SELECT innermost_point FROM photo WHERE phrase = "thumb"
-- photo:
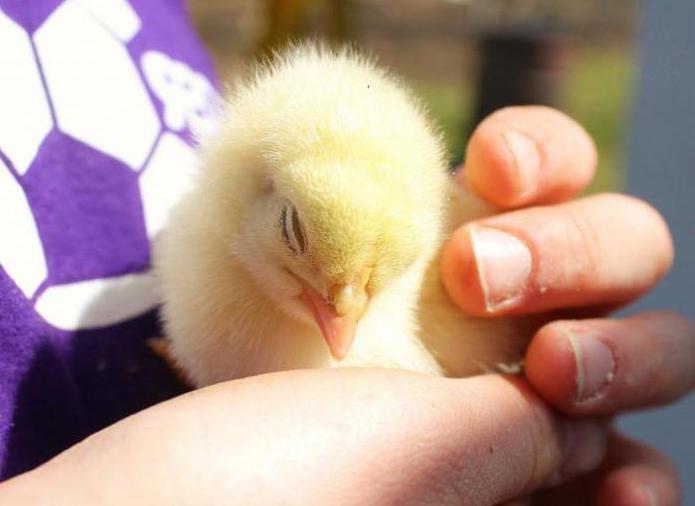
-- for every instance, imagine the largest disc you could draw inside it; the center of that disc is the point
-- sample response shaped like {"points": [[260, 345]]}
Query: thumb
{"points": [[350, 436], [375, 436]]}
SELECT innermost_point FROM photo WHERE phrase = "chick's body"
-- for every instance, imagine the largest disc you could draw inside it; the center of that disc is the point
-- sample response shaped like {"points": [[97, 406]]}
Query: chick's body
{"points": [[318, 216]]}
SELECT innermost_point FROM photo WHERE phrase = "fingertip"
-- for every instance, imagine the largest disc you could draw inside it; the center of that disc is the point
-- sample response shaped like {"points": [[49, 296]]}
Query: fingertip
{"points": [[557, 385], [616, 365], [488, 270], [662, 233]]}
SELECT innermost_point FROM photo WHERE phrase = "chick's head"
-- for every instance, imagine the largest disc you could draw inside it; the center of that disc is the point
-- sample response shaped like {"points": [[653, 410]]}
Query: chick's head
{"points": [[338, 187], [327, 235]]}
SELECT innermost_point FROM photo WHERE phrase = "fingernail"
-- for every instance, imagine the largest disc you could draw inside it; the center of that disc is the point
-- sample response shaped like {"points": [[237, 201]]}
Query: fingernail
{"points": [[595, 366], [585, 447], [504, 267], [527, 160]]}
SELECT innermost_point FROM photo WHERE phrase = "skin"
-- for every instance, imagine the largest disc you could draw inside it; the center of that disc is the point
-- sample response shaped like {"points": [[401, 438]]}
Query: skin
{"points": [[632, 472], [366, 436]]}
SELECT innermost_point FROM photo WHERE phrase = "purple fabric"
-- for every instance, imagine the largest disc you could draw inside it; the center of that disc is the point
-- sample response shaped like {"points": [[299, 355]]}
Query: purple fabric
{"points": [[29, 13], [59, 385], [87, 209]]}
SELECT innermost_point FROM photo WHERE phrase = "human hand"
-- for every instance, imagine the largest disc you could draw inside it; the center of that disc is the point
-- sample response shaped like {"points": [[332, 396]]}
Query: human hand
{"points": [[582, 259], [347, 436], [351, 436]]}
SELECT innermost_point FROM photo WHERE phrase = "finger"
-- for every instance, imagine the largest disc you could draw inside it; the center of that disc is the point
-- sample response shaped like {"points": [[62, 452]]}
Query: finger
{"points": [[604, 249], [632, 475], [530, 154], [602, 367], [637, 476]]}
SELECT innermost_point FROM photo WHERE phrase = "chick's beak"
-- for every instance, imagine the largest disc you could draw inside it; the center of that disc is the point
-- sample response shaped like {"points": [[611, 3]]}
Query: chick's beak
{"points": [[337, 314]]}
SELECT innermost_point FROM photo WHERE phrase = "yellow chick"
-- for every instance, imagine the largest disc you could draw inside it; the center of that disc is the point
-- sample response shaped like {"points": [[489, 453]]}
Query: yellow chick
{"points": [[311, 237]]}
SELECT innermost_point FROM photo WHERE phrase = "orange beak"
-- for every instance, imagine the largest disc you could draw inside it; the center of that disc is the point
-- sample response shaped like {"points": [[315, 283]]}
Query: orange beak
{"points": [[337, 315]]}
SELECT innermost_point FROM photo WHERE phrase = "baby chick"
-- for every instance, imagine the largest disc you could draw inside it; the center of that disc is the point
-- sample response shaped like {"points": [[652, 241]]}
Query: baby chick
{"points": [[312, 234]]}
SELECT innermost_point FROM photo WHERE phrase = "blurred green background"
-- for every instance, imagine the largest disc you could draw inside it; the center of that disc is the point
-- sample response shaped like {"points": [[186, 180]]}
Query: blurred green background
{"points": [[584, 61]]}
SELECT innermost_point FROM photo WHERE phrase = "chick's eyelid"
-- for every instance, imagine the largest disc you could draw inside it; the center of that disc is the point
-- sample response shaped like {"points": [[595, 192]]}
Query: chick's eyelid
{"points": [[292, 231], [283, 228], [298, 230]]}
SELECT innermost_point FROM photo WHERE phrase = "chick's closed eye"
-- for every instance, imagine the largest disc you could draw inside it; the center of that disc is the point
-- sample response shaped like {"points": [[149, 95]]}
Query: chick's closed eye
{"points": [[292, 231]]}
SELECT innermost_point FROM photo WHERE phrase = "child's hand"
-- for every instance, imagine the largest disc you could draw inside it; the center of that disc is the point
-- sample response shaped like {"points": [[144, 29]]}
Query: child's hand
{"points": [[587, 256]]}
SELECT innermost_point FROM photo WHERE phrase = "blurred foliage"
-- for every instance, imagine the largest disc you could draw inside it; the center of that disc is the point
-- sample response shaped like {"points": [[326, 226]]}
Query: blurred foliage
{"points": [[292, 19]]}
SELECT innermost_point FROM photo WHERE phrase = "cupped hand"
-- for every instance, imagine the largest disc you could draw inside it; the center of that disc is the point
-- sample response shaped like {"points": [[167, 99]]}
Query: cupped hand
{"points": [[367, 436], [569, 261], [346, 436]]}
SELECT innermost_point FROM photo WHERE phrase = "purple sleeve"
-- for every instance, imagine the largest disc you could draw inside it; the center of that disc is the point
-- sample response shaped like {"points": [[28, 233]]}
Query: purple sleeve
{"points": [[99, 104]]}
